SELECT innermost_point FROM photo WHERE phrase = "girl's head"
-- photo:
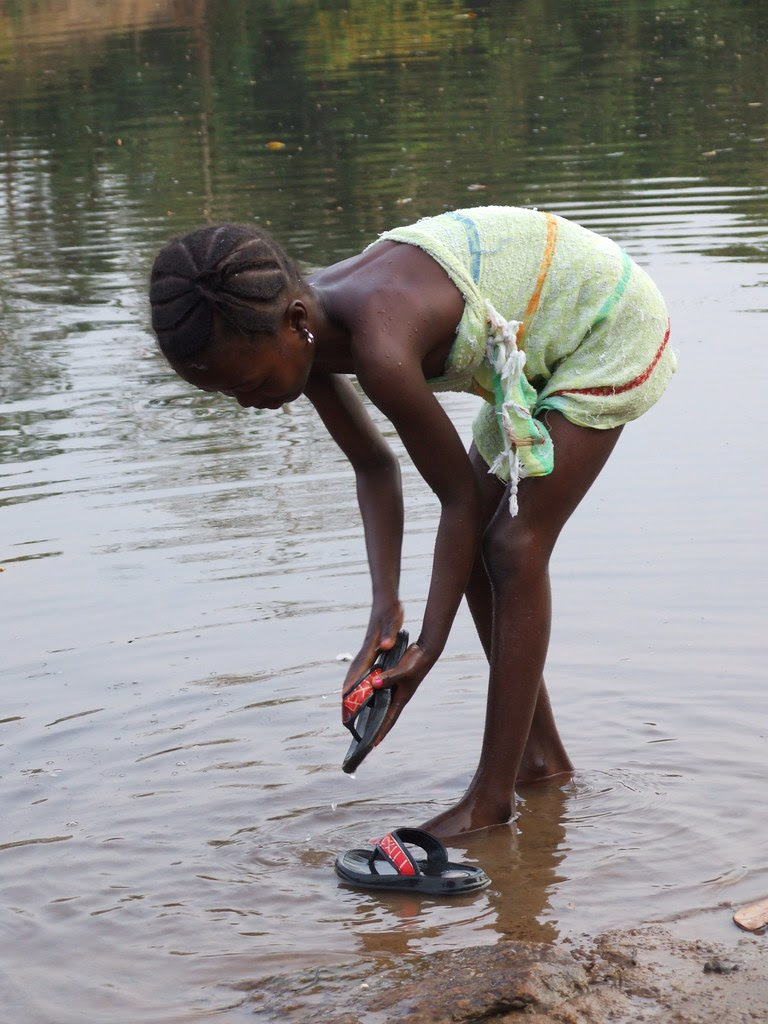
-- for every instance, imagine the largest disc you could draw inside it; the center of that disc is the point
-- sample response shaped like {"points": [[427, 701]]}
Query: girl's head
{"points": [[231, 270], [229, 311]]}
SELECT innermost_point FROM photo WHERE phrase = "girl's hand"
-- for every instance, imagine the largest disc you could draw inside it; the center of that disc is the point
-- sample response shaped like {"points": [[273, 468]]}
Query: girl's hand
{"points": [[403, 680], [383, 628]]}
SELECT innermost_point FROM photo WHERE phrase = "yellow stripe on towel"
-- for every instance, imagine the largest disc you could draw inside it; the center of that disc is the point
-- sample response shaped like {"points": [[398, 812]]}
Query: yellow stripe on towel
{"points": [[546, 263]]}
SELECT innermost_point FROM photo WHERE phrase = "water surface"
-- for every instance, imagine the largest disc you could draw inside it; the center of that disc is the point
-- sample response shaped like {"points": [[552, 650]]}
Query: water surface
{"points": [[180, 576]]}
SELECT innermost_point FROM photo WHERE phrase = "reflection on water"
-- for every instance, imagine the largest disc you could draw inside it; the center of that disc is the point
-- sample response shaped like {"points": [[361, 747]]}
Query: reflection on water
{"points": [[181, 575]]}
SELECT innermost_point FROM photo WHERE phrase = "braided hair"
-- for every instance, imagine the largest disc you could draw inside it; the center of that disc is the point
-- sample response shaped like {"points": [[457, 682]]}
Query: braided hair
{"points": [[234, 270]]}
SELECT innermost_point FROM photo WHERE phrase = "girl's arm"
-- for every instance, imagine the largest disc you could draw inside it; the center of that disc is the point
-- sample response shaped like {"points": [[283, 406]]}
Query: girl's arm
{"points": [[377, 476], [396, 384], [439, 455]]}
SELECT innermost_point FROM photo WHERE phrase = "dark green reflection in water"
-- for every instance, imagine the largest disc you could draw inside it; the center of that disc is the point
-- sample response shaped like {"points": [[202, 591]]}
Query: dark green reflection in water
{"points": [[383, 109], [123, 124]]}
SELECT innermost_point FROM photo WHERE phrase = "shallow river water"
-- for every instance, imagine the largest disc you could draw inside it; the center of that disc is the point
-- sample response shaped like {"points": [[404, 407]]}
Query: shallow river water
{"points": [[180, 577]]}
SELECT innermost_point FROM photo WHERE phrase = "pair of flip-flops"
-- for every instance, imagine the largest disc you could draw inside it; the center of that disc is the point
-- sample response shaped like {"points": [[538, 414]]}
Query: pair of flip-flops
{"points": [[365, 706], [391, 865]]}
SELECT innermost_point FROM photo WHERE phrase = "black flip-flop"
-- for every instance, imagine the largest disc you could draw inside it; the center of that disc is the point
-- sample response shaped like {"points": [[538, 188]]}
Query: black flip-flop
{"points": [[364, 706], [391, 865]]}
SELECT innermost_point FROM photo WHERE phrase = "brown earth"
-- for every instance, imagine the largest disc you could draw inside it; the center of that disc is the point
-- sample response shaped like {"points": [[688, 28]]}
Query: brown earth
{"points": [[641, 975]]}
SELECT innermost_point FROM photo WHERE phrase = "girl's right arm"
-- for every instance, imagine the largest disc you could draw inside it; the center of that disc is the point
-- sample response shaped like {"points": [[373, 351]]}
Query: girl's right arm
{"points": [[379, 495]]}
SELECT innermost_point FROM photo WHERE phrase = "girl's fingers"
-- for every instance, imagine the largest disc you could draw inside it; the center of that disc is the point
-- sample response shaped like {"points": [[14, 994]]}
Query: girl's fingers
{"points": [[359, 666], [388, 635], [408, 672]]}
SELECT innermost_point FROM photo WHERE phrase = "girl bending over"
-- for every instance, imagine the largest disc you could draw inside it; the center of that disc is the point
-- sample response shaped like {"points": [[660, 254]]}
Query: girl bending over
{"points": [[554, 326]]}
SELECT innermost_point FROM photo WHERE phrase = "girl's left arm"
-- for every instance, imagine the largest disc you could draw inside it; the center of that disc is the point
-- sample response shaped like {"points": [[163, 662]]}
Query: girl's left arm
{"points": [[397, 386], [379, 495]]}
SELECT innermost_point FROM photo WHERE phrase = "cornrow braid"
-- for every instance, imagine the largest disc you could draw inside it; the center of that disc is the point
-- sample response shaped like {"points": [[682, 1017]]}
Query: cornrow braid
{"points": [[237, 271]]}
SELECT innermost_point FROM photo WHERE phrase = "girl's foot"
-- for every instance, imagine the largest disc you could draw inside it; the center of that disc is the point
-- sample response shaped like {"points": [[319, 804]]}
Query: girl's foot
{"points": [[469, 815]]}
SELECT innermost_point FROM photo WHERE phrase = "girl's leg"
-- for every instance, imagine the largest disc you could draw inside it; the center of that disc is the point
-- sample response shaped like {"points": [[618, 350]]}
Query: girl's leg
{"points": [[517, 553], [544, 755]]}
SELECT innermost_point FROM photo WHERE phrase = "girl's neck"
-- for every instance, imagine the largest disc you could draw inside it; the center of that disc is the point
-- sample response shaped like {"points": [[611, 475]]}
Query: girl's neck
{"points": [[333, 340]]}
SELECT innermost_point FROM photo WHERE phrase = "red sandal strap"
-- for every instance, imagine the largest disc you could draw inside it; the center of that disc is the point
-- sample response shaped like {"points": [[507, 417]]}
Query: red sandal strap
{"points": [[358, 696], [398, 856]]}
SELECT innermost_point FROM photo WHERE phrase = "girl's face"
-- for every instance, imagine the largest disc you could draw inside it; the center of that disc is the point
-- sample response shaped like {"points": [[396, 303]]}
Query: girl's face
{"points": [[259, 372]]}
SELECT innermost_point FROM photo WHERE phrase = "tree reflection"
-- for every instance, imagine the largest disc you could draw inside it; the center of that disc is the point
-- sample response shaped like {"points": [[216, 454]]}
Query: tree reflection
{"points": [[125, 123]]}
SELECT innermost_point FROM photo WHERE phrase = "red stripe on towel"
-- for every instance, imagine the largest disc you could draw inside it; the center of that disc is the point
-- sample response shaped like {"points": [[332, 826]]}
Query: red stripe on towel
{"points": [[635, 383]]}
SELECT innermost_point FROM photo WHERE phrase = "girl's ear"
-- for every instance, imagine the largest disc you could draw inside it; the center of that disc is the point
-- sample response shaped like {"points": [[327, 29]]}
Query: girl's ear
{"points": [[296, 316]]}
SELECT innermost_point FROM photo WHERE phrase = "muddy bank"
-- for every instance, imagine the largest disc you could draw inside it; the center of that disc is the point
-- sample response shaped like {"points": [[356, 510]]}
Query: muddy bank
{"points": [[645, 974]]}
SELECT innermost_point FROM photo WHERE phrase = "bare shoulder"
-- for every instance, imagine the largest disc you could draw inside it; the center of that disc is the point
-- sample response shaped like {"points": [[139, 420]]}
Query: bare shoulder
{"points": [[403, 311], [406, 274]]}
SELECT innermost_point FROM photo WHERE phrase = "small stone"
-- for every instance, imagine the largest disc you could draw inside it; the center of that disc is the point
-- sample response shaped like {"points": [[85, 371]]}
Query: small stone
{"points": [[718, 966], [752, 917]]}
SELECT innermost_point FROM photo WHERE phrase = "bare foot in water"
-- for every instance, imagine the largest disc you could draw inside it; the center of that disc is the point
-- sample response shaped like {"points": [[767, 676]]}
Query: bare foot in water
{"points": [[468, 816], [473, 813]]}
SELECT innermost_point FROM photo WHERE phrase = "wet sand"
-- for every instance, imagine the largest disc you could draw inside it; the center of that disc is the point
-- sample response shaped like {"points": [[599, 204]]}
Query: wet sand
{"points": [[620, 977]]}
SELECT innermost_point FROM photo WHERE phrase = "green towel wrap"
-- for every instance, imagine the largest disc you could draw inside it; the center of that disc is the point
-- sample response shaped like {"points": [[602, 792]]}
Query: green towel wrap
{"points": [[555, 317]]}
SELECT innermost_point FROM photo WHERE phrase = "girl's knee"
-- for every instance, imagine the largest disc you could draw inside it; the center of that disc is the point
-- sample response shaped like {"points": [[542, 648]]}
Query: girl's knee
{"points": [[512, 549]]}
